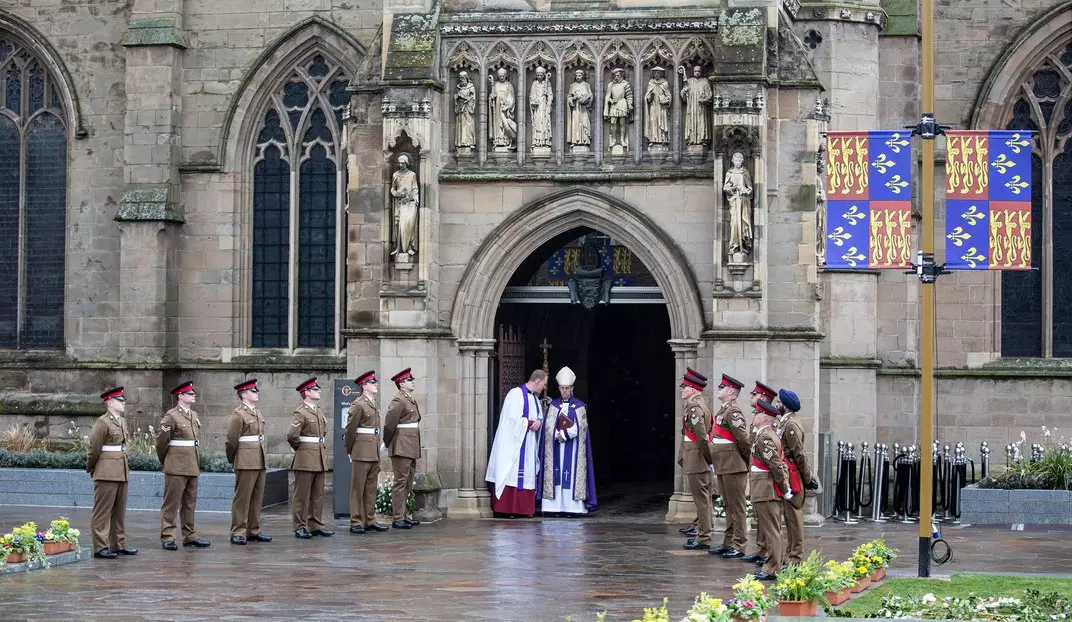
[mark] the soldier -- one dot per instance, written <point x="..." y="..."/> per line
<point x="363" y="443"/>
<point x="768" y="480"/>
<point x="107" y="466"/>
<point x="176" y="445"/>
<point x="310" y="463"/>
<point x="248" y="452"/>
<point x="694" y="455"/>
<point x="403" y="439"/>
<point x="760" y="392"/>
<point x="792" y="434"/>
<point x="730" y="447"/>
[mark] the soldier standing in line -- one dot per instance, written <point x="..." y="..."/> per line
<point x="760" y="392"/>
<point x="731" y="447"/>
<point x="769" y="481"/>
<point x="248" y="452"/>
<point x="403" y="439"/>
<point x="176" y="446"/>
<point x="310" y="463"/>
<point x="362" y="440"/>
<point x="694" y="455"/>
<point x="792" y="435"/>
<point x="106" y="463"/>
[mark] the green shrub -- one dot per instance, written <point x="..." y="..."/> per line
<point x="1053" y="472"/>
<point x="40" y="459"/>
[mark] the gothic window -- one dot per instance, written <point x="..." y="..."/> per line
<point x="33" y="201"/>
<point x="298" y="193"/>
<point x="1036" y="306"/>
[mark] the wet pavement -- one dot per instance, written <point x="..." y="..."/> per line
<point x="523" y="569"/>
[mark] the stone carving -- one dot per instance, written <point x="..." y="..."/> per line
<point x="541" y="101"/>
<point x="698" y="96"/>
<point x="618" y="111"/>
<point x="657" y="110"/>
<point x="820" y="201"/>
<point x="509" y="27"/>
<point x="741" y="27"/>
<point x="579" y="123"/>
<point x="589" y="285"/>
<point x="405" y="193"/>
<point x="464" y="114"/>
<point x="738" y="189"/>
<point x="502" y="106"/>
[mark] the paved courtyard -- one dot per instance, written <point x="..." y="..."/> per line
<point x="450" y="570"/>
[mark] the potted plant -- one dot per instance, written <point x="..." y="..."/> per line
<point x="60" y="537"/>
<point x="749" y="602"/>
<point x="23" y="544"/>
<point x="837" y="579"/>
<point x="799" y="587"/>
<point x="707" y="609"/>
<point x="881" y="555"/>
<point x="656" y="614"/>
<point x="861" y="566"/>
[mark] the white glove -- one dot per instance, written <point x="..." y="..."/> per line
<point x="383" y="449"/>
<point x="788" y="495"/>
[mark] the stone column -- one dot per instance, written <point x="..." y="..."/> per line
<point x="148" y="206"/>
<point x="682" y="507"/>
<point x="474" y="500"/>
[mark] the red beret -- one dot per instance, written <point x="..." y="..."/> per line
<point x="402" y="375"/>
<point x="186" y="387"/>
<point x="369" y="376"/>
<point x="308" y="384"/>
<point x="247" y="385"/>
<point x="113" y="393"/>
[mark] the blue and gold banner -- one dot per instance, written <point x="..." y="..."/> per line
<point x="988" y="200"/>
<point x="869" y="200"/>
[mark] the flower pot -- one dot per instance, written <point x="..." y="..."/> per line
<point x="71" y="546"/>
<point x="861" y="585"/>
<point x="16" y="558"/>
<point x="800" y="608"/>
<point x="838" y="597"/>
<point x="878" y="575"/>
<point x="55" y="548"/>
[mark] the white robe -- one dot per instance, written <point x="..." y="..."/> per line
<point x="505" y="460"/>
<point x="563" y="501"/>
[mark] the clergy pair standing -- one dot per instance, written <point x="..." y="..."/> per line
<point x="542" y="457"/>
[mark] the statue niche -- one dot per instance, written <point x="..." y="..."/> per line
<point x="589" y="285"/>
<point x="737" y="187"/>
<point x="405" y="207"/>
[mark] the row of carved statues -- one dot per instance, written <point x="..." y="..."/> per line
<point x="618" y="110"/>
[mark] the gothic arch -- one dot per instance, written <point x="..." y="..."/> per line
<point x="482" y="285"/>
<point x="48" y="55"/>
<point x="1001" y="87"/>
<point x="271" y="67"/>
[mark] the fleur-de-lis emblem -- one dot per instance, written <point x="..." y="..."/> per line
<point x="1003" y="164"/>
<point x="852" y="256"/>
<point x="854" y="215"/>
<point x="839" y="236"/>
<point x="958" y="236"/>
<point x="973" y="215"/>
<point x="1016" y="184"/>
<point x="973" y="257"/>
<point x="883" y="163"/>
<point x="1016" y="142"/>
<point x="896" y="142"/>
<point x="896" y="184"/>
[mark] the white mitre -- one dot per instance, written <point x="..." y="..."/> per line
<point x="565" y="377"/>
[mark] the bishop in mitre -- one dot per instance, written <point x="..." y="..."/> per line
<point x="514" y="463"/>
<point x="567" y="480"/>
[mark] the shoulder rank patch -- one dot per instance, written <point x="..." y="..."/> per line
<point x="738" y="419"/>
<point x="295" y="424"/>
<point x="165" y="428"/>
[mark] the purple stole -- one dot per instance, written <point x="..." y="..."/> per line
<point x="521" y="462"/>
<point x="564" y="476"/>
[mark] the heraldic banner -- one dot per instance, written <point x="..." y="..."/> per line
<point x="988" y="200"/>
<point x="869" y="200"/>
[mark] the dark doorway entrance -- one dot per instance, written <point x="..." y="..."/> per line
<point x="625" y="374"/>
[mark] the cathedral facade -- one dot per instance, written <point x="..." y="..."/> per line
<point x="472" y="189"/>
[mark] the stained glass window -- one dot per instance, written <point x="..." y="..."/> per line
<point x="33" y="202"/>
<point x="295" y="217"/>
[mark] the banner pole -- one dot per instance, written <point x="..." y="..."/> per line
<point x="927" y="329"/>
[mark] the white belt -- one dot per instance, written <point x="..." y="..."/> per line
<point x="367" y="431"/>
<point x="310" y="439"/>
<point x="756" y="469"/>
<point x="250" y="439"/>
<point x="182" y="443"/>
<point x="406" y="425"/>
<point x="718" y="440"/>
<point x="111" y="448"/>
<point x="688" y="440"/>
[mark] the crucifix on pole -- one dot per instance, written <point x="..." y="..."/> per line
<point x="545" y="345"/>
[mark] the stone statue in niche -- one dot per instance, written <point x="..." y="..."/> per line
<point x="541" y="101"/>
<point x="589" y="285"/>
<point x="502" y="108"/>
<point x="738" y="189"/>
<point x="405" y="200"/>
<point x="618" y="111"/>
<point x="579" y="102"/>
<point x="657" y="110"/>
<point x="464" y="114"/>
<point x="697" y="95"/>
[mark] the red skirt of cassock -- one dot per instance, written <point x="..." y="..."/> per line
<point x="514" y="501"/>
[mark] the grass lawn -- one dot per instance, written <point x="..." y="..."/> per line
<point x="958" y="585"/>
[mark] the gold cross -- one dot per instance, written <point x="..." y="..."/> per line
<point x="545" y="345"/>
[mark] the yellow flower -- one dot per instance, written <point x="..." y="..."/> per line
<point x="862" y="570"/>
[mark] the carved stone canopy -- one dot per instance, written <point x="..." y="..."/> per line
<point x="589" y="285"/>
<point x="728" y="137"/>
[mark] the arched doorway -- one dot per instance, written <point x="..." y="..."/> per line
<point x="583" y="300"/>
<point x="476" y="305"/>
